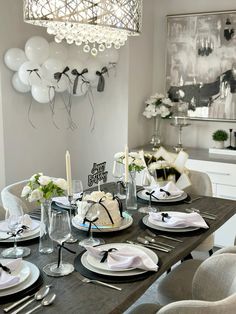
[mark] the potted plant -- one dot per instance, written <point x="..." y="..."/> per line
<point x="219" y="137"/>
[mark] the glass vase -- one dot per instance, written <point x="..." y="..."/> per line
<point x="45" y="242"/>
<point x="156" y="141"/>
<point x="131" y="195"/>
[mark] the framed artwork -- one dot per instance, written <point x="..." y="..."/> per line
<point x="201" y="63"/>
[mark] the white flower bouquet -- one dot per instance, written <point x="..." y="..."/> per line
<point x="156" y="105"/>
<point x="135" y="162"/>
<point x="41" y="188"/>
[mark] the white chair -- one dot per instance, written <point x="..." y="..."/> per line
<point x="212" y="289"/>
<point x="12" y="200"/>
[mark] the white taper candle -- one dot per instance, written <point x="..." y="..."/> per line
<point x="126" y="164"/>
<point x="68" y="174"/>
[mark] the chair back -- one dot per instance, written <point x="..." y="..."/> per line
<point x="200" y="183"/>
<point x="12" y="200"/>
<point x="215" y="279"/>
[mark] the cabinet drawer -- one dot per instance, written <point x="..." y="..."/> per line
<point x="226" y="191"/>
<point x="221" y="173"/>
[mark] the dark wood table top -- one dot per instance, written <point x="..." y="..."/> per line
<point x="74" y="296"/>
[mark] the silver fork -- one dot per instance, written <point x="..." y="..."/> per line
<point x="192" y="200"/>
<point x="86" y="280"/>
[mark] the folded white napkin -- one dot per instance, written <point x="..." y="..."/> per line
<point x="25" y="220"/>
<point x="178" y="219"/>
<point x="6" y="279"/>
<point x="125" y="258"/>
<point x="170" y="188"/>
<point x="62" y="200"/>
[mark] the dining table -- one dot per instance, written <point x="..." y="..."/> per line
<point x="75" y="296"/>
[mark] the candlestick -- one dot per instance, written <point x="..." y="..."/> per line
<point x="68" y="173"/>
<point x="126" y="164"/>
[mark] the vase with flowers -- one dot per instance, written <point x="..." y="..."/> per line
<point x="41" y="189"/>
<point x="157" y="107"/>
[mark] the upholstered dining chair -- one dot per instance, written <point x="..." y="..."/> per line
<point x="201" y="185"/>
<point x="12" y="200"/>
<point x="212" y="289"/>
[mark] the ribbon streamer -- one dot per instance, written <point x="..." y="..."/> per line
<point x="77" y="75"/>
<point x="109" y="215"/>
<point x="120" y="204"/>
<point x="101" y="80"/>
<point x="89" y="93"/>
<point x="105" y="254"/>
<point x="61" y="246"/>
<point x="52" y="105"/>
<point x="5" y="268"/>
<point x="164" y="215"/>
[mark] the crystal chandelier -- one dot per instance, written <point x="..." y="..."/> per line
<point x="95" y="24"/>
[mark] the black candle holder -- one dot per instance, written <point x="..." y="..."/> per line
<point x="230" y="139"/>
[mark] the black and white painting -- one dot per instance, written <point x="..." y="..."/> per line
<point x="201" y="63"/>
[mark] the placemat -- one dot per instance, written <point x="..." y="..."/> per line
<point x="19" y="243"/>
<point x="109" y="279"/>
<point x="21" y="294"/>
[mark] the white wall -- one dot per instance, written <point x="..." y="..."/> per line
<point x="199" y="133"/>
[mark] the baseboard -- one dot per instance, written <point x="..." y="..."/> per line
<point x="223" y="151"/>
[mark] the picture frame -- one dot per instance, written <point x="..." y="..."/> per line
<point x="201" y="64"/>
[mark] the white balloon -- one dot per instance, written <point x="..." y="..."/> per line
<point x="30" y="73"/>
<point x="42" y="94"/>
<point x="14" y="58"/>
<point x="93" y="66"/>
<point x="77" y="53"/>
<point x="37" y="49"/>
<point x="52" y="66"/>
<point x="18" y="85"/>
<point x="58" y="51"/>
<point x="62" y="85"/>
<point x="110" y="55"/>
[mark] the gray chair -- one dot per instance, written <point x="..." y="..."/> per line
<point x="212" y="289"/>
<point x="12" y="200"/>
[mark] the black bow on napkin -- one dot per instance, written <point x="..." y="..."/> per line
<point x="5" y="268"/>
<point x="151" y="195"/>
<point x="61" y="246"/>
<point x="105" y="254"/>
<point x="101" y="81"/>
<point x="167" y="193"/>
<point x="77" y="75"/>
<point x="165" y="215"/>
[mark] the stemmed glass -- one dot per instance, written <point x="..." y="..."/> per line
<point x="14" y="222"/>
<point x="118" y="173"/>
<point x="59" y="231"/>
<point x="91" y="212"/>
<point x="147" y="187"/>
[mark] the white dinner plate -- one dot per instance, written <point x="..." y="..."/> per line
<point x="126" y="222"/>
<point x="166" y="229"/>
<point x="26" y="235"/>
<point x="132" y="272"/>
<point x="23" y="272"/>
<point x="30" y="280"/>
<point x="170" y="199"/>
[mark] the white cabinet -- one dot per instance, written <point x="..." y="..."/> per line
<point x="223" y="178"/>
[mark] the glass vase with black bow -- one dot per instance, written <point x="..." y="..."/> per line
<point x="60" y="231"/>
<point x="118" y="174"/>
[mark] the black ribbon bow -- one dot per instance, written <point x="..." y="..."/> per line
<point x="167" y="193"/>
<point x="101" y="81"/>
<point x="61" y="246"/>
<point x="164" y="215"/>
<point x="5" y="268"/>
<point x="77" y="75"/>
<point x="58" y="75"/>
<point x="90" y="224"/>
<point x="105" y="254"/>
<point x="151" y="195"/>
<point x="19" y="231"/>
<point x="34" y="71"/>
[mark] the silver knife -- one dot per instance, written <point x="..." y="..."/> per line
<point x="162" y="236"/>
<point x="149" y="246"/>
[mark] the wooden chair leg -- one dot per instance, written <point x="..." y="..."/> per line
<point x="189" y="256"/>
<point x="210" y="252"/>
<point x="168" y="271"/>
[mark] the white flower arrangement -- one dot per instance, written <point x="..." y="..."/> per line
<point x="156" y="105"/>
<point x="135" y="162"/>
<point x="41" y="188"/>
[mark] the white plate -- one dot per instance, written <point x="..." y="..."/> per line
<point x="23" y="272"/>
<point x="171" y="199"/>
<point x="62" y="205"/>
<point x="93" y="261"/>
<point x="32" y="278"/>
<point x="167" y="229"/>
<point x="133" y="272"/>
<point x="125" y="223"/>
<point x="28" y="235"/>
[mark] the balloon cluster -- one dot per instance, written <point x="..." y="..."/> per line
<point x="45" y="68"/>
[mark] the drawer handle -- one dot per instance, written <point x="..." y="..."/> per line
<point x="220" y="173"/>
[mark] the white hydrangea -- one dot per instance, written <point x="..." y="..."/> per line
<point x="36" y="195"/>
<point x="44" y="180"/>
<point x="61" y="183"/>
<point x="26" y="190"/>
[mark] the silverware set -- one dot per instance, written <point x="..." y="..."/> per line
<point x="101" y="283"/>
<point x="42" y="295"/>
<point x="204" y="214"/>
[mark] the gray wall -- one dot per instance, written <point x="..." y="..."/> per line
<point x="199" y="133"/>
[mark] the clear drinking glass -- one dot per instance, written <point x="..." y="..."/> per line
<point x="118" y="174"/>
<point x="77" y="190"/>
<point x="60" y="231"/>
<point x="14" y="221"/>
<point x="148" y="188"/>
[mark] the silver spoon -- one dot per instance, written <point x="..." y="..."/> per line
<point x="38" y="296"/>
<point x="152" y="240"/>
<point x="146" y="242"/>
<point x="48" y="300"/>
